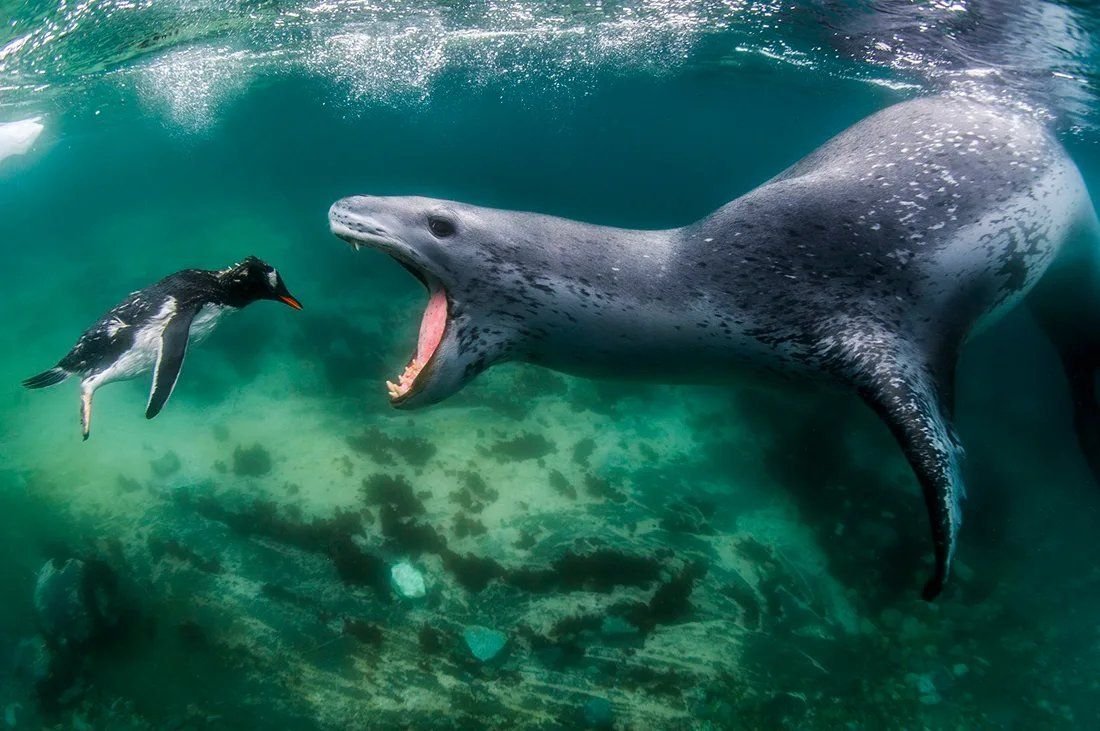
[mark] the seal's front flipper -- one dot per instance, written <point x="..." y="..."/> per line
<point x="1080" y="368"/>
<point x="1066" y="303"/>
<point x="909" y="402"/>
<point x="897" y="379"/>
<point x="173" y="349"/>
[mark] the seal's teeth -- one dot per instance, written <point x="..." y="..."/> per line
<point x="406" y="380"/>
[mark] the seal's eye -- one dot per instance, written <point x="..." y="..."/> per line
<point x="441" y="228"/>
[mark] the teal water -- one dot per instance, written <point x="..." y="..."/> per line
<point x="655" y="557"/>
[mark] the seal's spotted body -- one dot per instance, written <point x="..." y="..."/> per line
<point x="868" y="262"/>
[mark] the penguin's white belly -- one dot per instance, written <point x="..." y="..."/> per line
<point x="139" y="359"/>
<point x="142" y="356"/>
<point x="205" y="322"/>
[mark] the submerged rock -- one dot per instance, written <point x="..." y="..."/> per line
<point x="166" y="465"/>
<point x="598" y="713"/>
<point x="76" y="601"/>
<point x="254" y="461"/>
<point x="484" y="643"/>
<point x="11" y="714"/>
<point x="617" y="627"/>
<point x="33" y="659"/>
<point x="407" y="581"/>
<point x="929" y="694"/>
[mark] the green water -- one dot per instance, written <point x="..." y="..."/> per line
<point x="747" y="556"/>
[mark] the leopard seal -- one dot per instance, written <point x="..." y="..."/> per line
<point x="870" y="263"/>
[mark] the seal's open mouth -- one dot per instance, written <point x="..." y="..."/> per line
<point x="433" y="323"/>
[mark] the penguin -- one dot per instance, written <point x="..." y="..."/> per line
<point x="151" y="328"/>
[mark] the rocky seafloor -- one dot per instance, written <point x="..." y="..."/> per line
<point x="568" y="554"/>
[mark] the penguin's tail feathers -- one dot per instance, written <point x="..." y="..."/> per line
<point x="51" y="377"/>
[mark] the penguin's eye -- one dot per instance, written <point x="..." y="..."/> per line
<point x="440" y="227"/>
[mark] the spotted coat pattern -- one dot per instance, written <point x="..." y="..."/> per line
<point x="869" y="262"/>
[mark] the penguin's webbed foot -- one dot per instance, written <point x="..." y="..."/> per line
<point x="85" y="414"/>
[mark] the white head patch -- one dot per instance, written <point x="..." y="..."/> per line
<point x="272" y="278"/>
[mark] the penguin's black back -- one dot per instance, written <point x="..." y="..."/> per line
<point x="107" y="340"/>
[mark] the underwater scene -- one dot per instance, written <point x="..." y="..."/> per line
<point x="657" y="460"/>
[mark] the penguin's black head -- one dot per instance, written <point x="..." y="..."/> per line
<point x="254" y="279"/>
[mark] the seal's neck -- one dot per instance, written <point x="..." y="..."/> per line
<point x="620" y="302"/>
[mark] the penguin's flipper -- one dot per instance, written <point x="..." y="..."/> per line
<point x="173" y="349"/>
<point x="908" y="393"/>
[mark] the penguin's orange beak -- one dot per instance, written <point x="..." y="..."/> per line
<point x="290" y="301"/>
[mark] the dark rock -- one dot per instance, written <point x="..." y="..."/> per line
<point x="192" y="634"/>
<point x="618" y="628"/>
<point x="33" y="659"/>
<point x="474" y="494"/>
<point x="430" y="640"/>
<point x="467" y="526"/>
<point x="672" y="601"/>
<point x="166" y="465"/>
<point x="252" y="461"/>
<point x="526" y="541"/>
<point x="127" y="484"/>
<point x="332" y="537"/>
<point x="561" y="485"/>
<point x="598" y="570"/>
<point x="682" y="516"/>
<point x="382" y="447"/>
<point x="741" y="592"/>
<point x="365" y="632"/>
<point x="393" y="492"/>
<point x="282" y="594"/>
<point x="582" y="450"/>
<point x="525" y="446"/>
<point x="356" y="566"/>
<point x="602" y="488"/>
<point x="476" y="485"/>
<point x="160" y="548"/>
<point x="76" y="601"/>
<point x="472" y="572"/>
<point x="598" y="713"/>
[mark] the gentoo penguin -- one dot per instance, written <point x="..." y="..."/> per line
<point x="151" y="328"/>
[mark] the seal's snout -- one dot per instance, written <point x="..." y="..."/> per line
<point x="335" y="213"/>
<point x="351" y="219"/>
<point x="383" y="224"/>
<point x="341" y="214"/>
<point x="355" y="206"/>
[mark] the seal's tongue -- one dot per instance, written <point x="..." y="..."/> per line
<point x="431" y="327"/>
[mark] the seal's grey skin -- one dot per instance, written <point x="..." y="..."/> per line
<point x="869" y="262"/>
